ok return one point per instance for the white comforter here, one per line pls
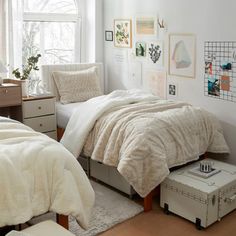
(38, 175)
(141, 135)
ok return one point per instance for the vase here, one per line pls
(24, 88)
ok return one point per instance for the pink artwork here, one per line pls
(157, 83)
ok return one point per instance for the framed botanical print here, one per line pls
(182, 55)
(155, 52)
(123, 33)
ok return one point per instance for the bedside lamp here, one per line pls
(3, 70)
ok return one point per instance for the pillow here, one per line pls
(77, 86)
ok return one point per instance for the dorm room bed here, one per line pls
(38, 175)
(139, 134)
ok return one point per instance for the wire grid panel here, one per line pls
(220, 70)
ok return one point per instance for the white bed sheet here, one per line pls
(64, 112)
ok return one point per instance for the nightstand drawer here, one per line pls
(38, 107)
(10, 96)
(52, 134)
(42, 124)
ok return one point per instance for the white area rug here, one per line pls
(110, 209)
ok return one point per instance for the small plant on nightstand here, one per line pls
(31, 65)
(24, 76)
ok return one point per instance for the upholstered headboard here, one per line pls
(48, 81)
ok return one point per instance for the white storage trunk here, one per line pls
(200, 200)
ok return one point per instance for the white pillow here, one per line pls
(77, 86)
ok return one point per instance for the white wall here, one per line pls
(208, 20)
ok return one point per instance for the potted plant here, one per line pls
(24, 76)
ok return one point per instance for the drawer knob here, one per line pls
(39, 108)
(40, 125)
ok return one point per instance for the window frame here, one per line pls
(60, 18)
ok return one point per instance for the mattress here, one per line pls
(64, 112)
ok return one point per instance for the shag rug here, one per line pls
(110, 209)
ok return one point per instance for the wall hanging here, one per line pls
(146, 25)
(182, 55)
(155, 52)
(123, 33)
(220, 70)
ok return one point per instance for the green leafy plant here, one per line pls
(31, 65)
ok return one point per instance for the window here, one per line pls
(50, 28)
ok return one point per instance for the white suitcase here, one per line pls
(199, 199)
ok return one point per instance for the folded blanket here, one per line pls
(142, 135)
(38, 175)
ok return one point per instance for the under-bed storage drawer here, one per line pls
(110, 176)
(84, 162)
(99, 171)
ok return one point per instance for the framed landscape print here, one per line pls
(123, 33)
(182, 55)
(146, 25)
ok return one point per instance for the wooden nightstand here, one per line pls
(10, 101)
(39, 114)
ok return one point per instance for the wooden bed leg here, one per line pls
(63, 221)
(60, 132)
(147, 202)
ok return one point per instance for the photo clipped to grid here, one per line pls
(220, 70)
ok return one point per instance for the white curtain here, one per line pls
(3, 31)
(15, 25)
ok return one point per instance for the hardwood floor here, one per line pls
(156, 223)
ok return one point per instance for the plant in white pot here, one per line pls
(25, 75)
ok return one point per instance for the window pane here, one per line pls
(31, 40)
(59, 42)
(50, 6)
(53, 40)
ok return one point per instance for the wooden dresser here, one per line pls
(11, 101)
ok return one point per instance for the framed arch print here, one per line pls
(182, 55)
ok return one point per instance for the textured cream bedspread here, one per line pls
(143, 140)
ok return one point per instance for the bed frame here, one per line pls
(46, 76)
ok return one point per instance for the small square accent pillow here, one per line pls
(77, 86)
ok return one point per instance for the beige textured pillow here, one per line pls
(77, 86)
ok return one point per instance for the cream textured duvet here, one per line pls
(38, 175)
(142, 136)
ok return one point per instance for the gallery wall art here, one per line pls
(182, 55)
(220, 70)
(140, 49)
(146, 25)
(123, 33)
(156, 53)
(157, 83)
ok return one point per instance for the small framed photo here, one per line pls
(109, 35)
(172, 90)
(140, 49)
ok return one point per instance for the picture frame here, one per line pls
(140, 49)
(109, 35)
(123, 33)
(182, 55)
(146, 25)
(155, 52)
(157, 82)
(172, 89)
